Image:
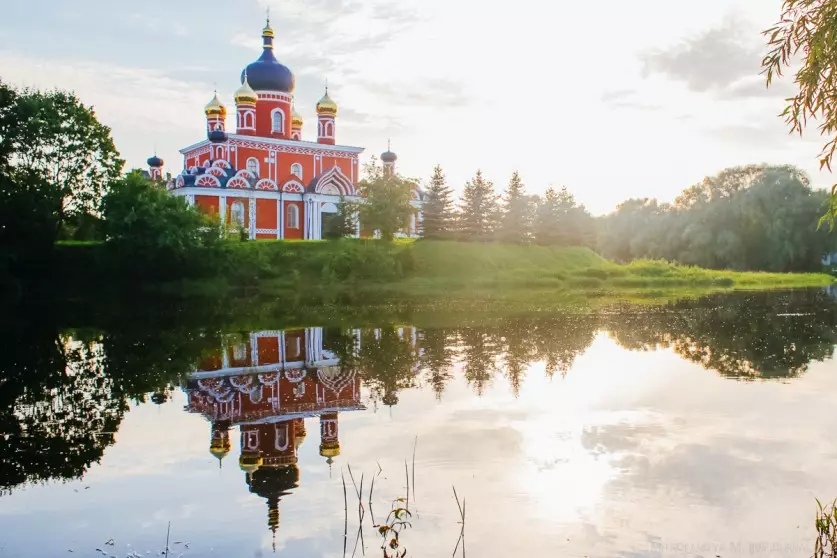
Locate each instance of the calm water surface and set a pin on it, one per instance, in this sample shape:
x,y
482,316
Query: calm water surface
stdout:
x,y
701,428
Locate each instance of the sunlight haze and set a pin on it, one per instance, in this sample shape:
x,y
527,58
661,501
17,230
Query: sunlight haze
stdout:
x,y
611,99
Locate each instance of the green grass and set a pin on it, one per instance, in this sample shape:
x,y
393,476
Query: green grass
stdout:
x,y
451,266
466,272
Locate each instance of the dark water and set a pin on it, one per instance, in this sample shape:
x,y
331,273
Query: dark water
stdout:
x,y
702,428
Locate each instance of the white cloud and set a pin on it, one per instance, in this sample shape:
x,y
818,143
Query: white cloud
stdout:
x,y
471,85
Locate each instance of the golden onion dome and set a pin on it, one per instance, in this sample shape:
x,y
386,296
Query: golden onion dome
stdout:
x,y
296,119
326,105
215,108
245,94
220,451
268,30
249,464
330,450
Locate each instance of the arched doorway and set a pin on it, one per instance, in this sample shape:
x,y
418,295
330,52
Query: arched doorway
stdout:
x,y
330,221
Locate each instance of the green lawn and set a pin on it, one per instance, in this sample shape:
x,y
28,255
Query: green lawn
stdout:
x,y
466,271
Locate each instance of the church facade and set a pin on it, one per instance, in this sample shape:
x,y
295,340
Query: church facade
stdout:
x,y
264,178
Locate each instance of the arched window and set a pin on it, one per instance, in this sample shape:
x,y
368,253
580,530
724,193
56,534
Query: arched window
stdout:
x,y
237,214
249,119
296,169
293,217
278,121
253,165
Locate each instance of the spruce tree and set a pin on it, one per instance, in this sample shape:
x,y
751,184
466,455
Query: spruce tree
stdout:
x,y
516,223
546,218
479,210
437,211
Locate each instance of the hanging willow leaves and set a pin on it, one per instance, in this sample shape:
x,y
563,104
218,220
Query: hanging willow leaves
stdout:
x,y
805,33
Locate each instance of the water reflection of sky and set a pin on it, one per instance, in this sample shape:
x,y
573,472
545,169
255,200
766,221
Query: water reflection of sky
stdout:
x,y
629,454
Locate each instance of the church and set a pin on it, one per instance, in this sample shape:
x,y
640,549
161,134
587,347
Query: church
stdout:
x,y
265,179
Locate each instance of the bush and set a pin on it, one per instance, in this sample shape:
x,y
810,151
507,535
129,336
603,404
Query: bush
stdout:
x,y
152,234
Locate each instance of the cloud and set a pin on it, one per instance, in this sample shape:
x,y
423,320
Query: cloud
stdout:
x,y
712,60
755,86
627,99
617,94
434,91
160,26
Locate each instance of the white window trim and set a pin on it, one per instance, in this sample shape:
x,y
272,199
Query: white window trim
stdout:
x,y
298,174
247,165
292,217
233,207
273,114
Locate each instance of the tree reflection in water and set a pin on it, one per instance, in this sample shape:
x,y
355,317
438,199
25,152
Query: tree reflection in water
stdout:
x,y
64,393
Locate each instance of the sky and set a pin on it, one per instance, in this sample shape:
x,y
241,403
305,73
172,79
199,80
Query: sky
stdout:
x,y
611,99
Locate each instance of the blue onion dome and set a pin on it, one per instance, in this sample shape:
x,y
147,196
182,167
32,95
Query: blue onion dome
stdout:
x,y
326,105
217,136
154,162
245,94
267,73
388,156
215,108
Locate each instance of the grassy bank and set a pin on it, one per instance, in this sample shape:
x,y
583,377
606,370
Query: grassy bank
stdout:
x,y
465,270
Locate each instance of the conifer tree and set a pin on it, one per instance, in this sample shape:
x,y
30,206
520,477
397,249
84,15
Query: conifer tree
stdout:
x,y
561,220
546,218
437,211
516,223
479,210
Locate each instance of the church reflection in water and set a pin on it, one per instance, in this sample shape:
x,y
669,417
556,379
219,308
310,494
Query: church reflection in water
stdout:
x,y
267,385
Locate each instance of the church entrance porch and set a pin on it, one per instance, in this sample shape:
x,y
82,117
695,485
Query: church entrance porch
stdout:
x,y
330,222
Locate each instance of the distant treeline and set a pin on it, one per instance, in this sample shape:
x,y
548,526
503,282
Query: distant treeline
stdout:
x,y
756,217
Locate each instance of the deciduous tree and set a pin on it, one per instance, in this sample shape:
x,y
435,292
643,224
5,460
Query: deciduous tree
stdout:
x,y
808,27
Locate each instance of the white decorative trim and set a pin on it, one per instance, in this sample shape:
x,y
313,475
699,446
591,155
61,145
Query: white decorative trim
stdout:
x,y
281,128
258,165
204,178
274,96
266,184
252,218
293,146
334,178
221,163
238,182
245,174
259,194
214,171
293,186
266,231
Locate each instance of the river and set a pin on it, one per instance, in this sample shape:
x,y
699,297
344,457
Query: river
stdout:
x,y
694,428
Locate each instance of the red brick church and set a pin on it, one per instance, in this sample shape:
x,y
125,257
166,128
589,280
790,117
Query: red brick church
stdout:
x,y
265,178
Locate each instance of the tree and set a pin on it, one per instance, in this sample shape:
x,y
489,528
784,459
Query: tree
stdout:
x,y
386,206
516,224
344,221
546,217
478,210
56,160
756,217
151,232
56,136
437,210
808,26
